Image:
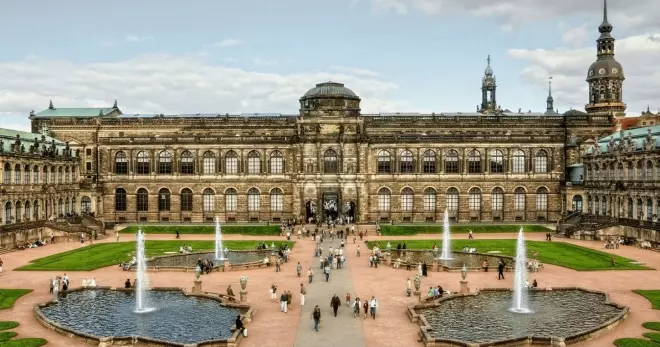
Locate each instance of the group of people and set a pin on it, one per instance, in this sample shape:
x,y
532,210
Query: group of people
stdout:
x,y
59,283
205,266
613,243
185,249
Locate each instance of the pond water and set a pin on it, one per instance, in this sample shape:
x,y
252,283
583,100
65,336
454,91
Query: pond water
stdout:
x,y
471,260
190,260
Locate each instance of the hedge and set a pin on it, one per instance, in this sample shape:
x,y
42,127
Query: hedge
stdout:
x,y
460,229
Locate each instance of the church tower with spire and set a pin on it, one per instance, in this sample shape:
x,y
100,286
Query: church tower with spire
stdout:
x,y
605,76
488,89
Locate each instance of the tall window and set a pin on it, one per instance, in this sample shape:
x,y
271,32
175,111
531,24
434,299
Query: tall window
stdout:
x,y
165,163
619,171
186,200
8,214
496,161
407,199
631,171
541,161
67,175
164,199
406,162
497,199
451,161
60,207
208,200
474,199
649,170
519,199
142,200
17,175
612,172
35,208
383,162
542,199
231,200
276,163
187,163
28,210
85,204
53,173
7,174
429,199
208,163
452,199
474,162
28,171
384,199
67,204
276,200
640,171
254,199
120,199
231,163
429,162
605,172
121,163
19,214
604,206
330,162
35,176
142,166
518,165
254,163
60,175
44,177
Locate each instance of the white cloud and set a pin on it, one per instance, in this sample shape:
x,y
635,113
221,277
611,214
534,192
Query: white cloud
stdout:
x,y
575,36
132,38
226,43
173,84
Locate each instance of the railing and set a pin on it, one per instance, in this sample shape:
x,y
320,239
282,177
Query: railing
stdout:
x,y
21,226
594,223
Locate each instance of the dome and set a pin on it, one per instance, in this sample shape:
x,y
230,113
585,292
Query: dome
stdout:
x,y
605,68
330,89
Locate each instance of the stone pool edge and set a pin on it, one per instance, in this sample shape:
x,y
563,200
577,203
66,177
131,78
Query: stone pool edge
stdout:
x,y
584,335
217,268
246,311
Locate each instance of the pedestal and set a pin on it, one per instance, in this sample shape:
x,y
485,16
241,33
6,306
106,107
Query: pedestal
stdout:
x,y
243,295
197,286
227,266
434,266
388,259
464,287
418,294
272,258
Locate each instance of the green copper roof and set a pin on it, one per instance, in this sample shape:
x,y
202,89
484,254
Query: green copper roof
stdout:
x,y
8,137
75,112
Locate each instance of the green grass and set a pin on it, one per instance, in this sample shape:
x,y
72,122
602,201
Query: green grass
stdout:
x,y
105,254
258,230
652,326
8,325
395,230
6,337
655,337
9,296
632,342
651,295
556,253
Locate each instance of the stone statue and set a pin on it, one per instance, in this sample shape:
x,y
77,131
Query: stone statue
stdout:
x,y
419,269
243,282
418,282
198,272
56,288
389,246
464,272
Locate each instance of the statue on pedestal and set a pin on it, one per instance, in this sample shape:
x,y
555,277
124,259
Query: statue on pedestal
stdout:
x,y
464,272
418,283
198,272
243,282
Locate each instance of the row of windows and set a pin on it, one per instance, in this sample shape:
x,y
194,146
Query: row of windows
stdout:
x,y
27,174
643,206
618,171
29,210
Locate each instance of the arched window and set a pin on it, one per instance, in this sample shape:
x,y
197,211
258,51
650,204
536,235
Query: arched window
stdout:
x,y
67,204
60,207
121,163
164,199
330,162
497,199
7,173
605,172
649,209
496,161
383,162
53,172
45,175
519,199
208,200
429,199
35,208
407,199
208,163
8,212
429,162
120,199
612,172
187,163
254,163
640,171
384,200
276,200
406,162
518,165
474,162
542,199
74,170
541,161
604,206
186,200
19,211
85,205
474,199
577,203
142,166
28,179
452,199
451,161
231,163
631,171
17,175
649,170
276,163
164,163
231,200
73,204
254,200
142,200
67,175
619,171
60,175
640,209
35,175
28,211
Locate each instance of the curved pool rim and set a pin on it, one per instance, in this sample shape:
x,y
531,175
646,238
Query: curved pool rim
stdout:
x,y
218,266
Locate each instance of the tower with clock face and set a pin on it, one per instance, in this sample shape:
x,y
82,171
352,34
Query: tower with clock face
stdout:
x,y
605,76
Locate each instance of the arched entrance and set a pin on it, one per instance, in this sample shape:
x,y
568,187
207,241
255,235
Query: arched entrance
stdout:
x,y
85,205
330,206
349,211
310,211
577,203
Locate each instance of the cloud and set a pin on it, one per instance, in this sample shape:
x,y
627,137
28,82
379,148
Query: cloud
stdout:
x,y
575,36
638,55
356,71
226,43
173,84
132,38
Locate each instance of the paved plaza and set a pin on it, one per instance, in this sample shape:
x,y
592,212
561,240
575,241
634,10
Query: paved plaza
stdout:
x,y
270,327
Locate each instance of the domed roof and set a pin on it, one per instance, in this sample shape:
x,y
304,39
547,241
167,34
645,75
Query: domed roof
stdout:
x,y
605,68
330,89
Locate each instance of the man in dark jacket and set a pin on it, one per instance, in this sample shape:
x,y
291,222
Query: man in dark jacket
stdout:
x,y
335,303
500,270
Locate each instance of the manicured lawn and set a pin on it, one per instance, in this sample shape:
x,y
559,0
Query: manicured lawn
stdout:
x,y
8,325
655,337
6,337
9,296
105,254
556,253
631,342
394,230
652,326
258,230
651,295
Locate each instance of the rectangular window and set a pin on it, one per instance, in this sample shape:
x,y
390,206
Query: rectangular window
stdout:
x,y
60,176
451,165
253,202
542,202
231,166
165,165
452,202
7,178
429,202
231,202
88,151
208,202
497,164
384,202
277,165
406,202
498,202
17,177
208,164
474,202
88,166
142,167
518,165
27,178
36,176
254,166
429,165
540,165
276,202
519,202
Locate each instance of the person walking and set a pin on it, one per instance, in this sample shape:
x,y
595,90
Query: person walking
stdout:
x,y
356,307
470,237
316,315
500,270
326,271
348,299
373,305
299,269
273,293
310,274
335,303
1,262
365,307
283,301
303,292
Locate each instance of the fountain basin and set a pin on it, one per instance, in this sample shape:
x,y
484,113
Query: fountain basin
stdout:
x,y
472,261
105,316
239,260
563,316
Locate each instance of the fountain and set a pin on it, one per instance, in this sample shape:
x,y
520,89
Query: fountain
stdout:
x,y
219,254
520,304
141,274
446,239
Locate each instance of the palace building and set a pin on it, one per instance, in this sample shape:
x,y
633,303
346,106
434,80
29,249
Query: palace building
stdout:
x,y
332,160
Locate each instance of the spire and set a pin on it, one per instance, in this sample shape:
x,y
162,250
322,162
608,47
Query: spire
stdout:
x,y
115,104
550,101
489,70
50,105
605,27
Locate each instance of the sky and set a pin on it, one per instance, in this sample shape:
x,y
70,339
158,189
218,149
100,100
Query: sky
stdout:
x,y
251,56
